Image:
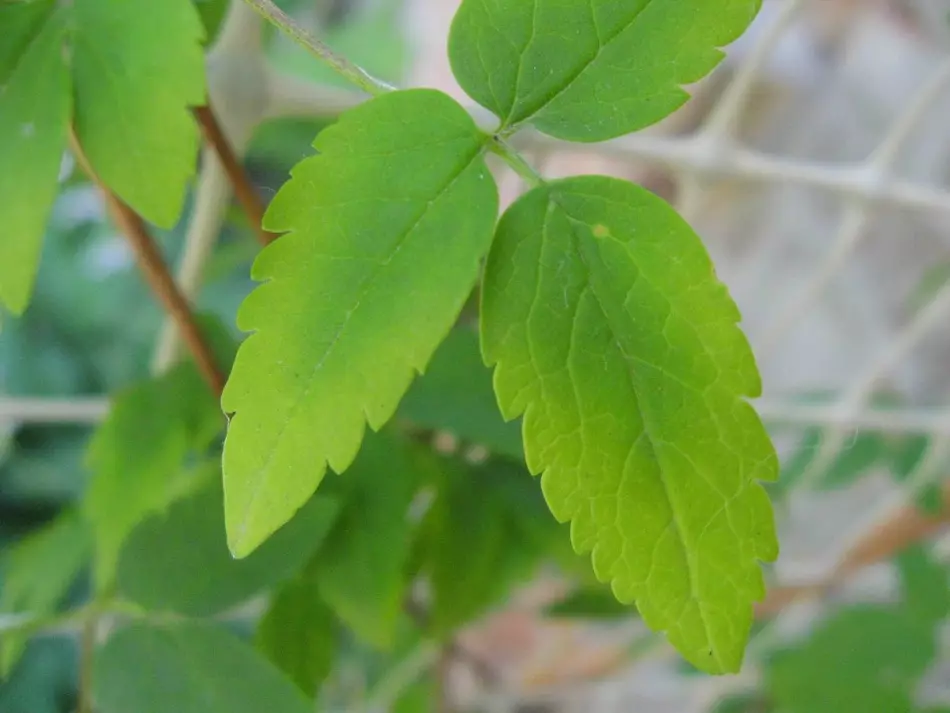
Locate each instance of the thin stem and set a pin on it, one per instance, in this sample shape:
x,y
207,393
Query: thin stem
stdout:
x,y
87,652
339,64
401,677
516,161
156,273
243,189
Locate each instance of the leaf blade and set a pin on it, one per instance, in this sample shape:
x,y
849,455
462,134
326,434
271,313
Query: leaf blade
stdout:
x,y
589,71
34,115
630,371
188,667
137,71
307,382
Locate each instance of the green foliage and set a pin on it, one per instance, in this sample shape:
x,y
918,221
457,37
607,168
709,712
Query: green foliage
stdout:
x,y
588,603
600,313
867,658
138,453
456,395
38,573
481,517
331,350
34,111
589,71
298,634
188,667
178,560
361,571
125,76
630,370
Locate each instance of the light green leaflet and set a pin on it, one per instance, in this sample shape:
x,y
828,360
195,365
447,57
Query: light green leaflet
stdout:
x,y
125,74
613,337
387,225
136,456
188,667
34,112
589,70
38,572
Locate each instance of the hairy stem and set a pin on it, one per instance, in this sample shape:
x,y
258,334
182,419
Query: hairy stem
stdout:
x,y
156,273
339,64
250,202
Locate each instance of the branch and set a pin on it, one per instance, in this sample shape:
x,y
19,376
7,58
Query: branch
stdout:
x,y
243,189
156,273
338,63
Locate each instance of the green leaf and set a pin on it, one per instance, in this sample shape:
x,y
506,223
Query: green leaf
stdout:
x,y
34,114
188,667
589,603
387,225
613,336
865,659
137,454
926,591
178,560
137,69
212,14
298,634
589,71
478,546
38,572
360,571
456,395
125,76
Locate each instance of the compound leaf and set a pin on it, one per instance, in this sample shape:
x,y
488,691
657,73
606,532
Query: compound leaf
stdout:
x,y
34,114
178,560
589,70
188,667
298,634
361,570
611,334
38,572
387,225
137,69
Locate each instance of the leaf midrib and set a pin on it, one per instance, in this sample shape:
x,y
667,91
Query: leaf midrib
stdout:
x,y
648,431
510,125
479,150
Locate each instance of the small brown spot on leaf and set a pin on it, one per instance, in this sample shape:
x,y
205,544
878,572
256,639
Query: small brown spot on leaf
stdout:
x,y
601,231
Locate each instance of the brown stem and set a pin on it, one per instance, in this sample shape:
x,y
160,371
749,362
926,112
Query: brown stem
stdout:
x,y
153,266
250,201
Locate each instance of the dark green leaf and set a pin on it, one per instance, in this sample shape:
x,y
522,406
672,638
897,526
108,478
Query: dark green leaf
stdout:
x,y
38,572
368,281
178,560
865,659
611,334
926,591
590,603
188,668
298,634
477,547
455,395
360,571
